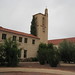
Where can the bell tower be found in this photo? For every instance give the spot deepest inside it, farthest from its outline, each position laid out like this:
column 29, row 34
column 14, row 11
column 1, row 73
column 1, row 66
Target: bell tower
column 42, row 26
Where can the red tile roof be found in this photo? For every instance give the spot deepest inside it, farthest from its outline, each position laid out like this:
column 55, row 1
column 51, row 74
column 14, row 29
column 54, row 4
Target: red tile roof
column 17, row 32
column 57, row 41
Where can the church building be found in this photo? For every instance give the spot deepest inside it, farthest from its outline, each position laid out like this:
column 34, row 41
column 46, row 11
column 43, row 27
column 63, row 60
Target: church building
column 28, row 42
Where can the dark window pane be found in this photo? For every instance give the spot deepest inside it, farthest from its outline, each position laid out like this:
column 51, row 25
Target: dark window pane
column 19, row 53
column 3, row 36
column 25, row 53
column 25, row 40
column 14, row 38
column 33, row 41
column 20, row 39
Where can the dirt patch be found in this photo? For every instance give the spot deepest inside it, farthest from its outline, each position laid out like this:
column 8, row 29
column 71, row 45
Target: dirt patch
column 67, row 67
column 25, row 73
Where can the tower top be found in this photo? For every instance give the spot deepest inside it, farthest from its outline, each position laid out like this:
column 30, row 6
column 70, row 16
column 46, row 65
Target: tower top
column 41, row 26
column 46, row 11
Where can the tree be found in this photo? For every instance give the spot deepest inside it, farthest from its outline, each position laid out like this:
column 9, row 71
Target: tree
column 48, row 53
column 11, row 50
column 67, row 51
column 53, row 57
column 33, row 27
column 42, row 53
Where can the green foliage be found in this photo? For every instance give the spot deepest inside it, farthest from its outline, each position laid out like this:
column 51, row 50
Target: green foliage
column 42, row 53
column 2, row 55
column 73, row 56
column 67, row 51
column 33, row 27
column 48, row 53
column 10, row 49
column 53, row 57
column 34, row 59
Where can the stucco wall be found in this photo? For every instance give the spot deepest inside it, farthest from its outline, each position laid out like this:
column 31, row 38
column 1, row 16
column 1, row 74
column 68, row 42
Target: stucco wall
column 42, row 27
column 31, row 48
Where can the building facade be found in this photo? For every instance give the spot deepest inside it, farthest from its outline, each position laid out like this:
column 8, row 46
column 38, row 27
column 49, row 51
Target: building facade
column 29, row 43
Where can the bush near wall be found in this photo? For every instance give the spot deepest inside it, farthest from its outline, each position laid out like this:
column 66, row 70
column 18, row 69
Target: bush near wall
column 42, row 53
column 9, row 53
column 48, row 54
column 53, row 56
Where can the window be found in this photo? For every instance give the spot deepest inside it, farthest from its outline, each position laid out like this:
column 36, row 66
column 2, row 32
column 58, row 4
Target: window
column 43, row 24
column 14, row 38
column 3, row 36
column 25, row 40
column 33, row 41
column 25, row 53
column 20, row 39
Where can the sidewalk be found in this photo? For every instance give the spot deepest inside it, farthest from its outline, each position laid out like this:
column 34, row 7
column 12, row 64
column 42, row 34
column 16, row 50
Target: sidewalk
column 49, row 71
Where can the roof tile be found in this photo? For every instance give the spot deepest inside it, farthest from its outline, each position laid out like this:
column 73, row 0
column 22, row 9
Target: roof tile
column 17, row 32
column 58, row 41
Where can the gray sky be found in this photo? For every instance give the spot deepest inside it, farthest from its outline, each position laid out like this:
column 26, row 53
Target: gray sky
column 17, row 15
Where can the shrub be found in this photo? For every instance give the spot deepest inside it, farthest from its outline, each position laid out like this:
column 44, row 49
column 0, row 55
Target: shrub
column 34, row 59
column 53, row 56
column 42, row 53
column 10, row 52
column 48, row 53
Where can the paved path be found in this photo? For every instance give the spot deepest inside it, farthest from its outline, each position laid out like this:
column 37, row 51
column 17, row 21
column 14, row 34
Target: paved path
column 51, row 71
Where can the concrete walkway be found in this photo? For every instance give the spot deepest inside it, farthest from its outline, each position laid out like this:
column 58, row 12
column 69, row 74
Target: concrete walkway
column 52, row 71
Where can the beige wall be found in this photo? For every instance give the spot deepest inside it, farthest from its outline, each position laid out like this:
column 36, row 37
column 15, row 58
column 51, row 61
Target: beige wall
column 31, row 48
column 42, row 26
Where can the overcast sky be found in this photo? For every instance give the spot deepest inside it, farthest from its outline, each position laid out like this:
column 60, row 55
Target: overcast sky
column 17, row 15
